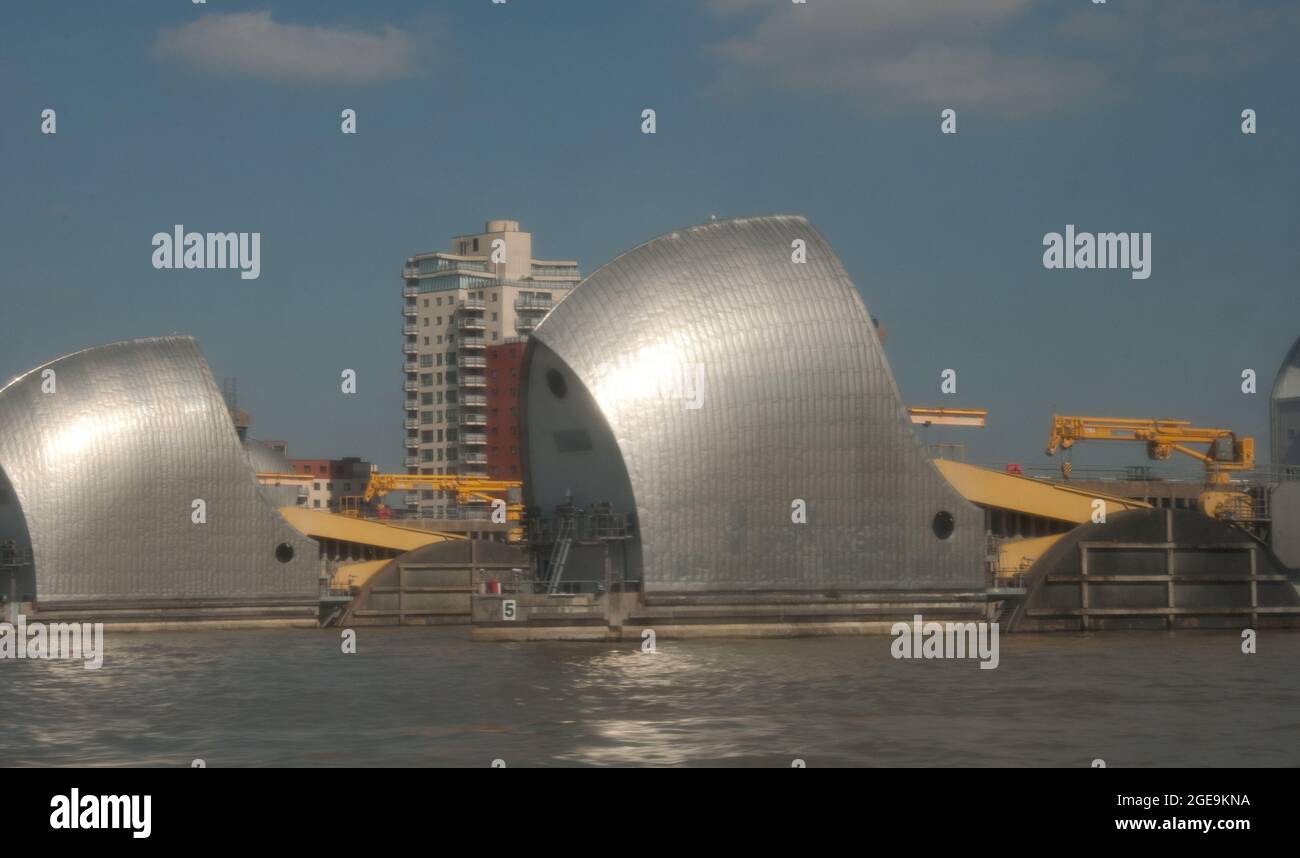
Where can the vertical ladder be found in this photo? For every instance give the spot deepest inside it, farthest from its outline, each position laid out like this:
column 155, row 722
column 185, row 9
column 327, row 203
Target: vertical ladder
column 559, row 554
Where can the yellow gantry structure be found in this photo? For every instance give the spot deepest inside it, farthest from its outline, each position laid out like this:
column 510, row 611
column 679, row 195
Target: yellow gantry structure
column 342, row 528
column 1000, row 490
column 947, row 416
column 1162, row 437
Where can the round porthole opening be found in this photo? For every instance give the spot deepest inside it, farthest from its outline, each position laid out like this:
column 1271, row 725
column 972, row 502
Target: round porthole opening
column 555, row 381
column 943, row 524
column 284, row 552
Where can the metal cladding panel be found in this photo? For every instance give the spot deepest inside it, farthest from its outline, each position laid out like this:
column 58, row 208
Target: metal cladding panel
column 795, row 402
column 1284, row 408
column 107, row 465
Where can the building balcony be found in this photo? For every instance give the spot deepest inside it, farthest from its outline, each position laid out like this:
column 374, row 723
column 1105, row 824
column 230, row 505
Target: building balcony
column 473, row 380
column 473, row 305
column 474, row 400
column 410, row 349
column 474, row 361
column 411, row 461
column 410, row 290
column 411, row 366
column 410, row 386
column 472, row 343
column 410, row 310
column 523, row 324
column 410, row 329
column 411, row 423
column 476, row 439
column 471, row 323
column 473, row 419
column 533, row 305
column 474, row 458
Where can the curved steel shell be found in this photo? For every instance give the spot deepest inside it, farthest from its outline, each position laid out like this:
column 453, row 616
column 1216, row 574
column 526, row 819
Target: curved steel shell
column 107, row 451
column 1284, row 408
column 718, row 388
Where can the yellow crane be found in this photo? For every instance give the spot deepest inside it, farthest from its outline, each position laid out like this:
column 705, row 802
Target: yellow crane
column 1162, row 437
column 467, row 489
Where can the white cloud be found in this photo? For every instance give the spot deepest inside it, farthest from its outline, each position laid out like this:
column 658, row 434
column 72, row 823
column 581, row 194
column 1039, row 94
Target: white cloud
column 1006, row 57
column 252, row 45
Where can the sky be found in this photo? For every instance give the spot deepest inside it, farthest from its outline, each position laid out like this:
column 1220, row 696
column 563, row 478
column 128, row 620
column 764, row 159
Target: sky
column 225, row 116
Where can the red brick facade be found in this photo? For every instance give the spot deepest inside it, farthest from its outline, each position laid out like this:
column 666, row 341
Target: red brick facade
column 503, row 438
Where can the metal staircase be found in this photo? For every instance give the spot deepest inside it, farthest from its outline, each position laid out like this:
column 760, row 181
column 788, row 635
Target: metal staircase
column 560, row 554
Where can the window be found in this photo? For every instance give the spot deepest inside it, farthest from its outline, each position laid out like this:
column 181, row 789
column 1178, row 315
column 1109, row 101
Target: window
column 427, row 378
column 476, row 245
column 439, row 436
column 439, row 320
column 322, row 469
column 439, row 339
column 426, row 360
column 427, row 398
column 427, row 437
column 494, row 317
column 316, row 485
column 426, row 302
column 316, row 503
column 440, row 397
column 426, row 341
column 439, row 359
column 426, row 417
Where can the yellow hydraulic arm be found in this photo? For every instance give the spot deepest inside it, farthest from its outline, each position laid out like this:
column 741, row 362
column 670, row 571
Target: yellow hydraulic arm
column 467, row 489
column 1162, row 437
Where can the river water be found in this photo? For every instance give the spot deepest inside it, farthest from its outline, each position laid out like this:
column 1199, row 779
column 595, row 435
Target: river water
column 430, row 697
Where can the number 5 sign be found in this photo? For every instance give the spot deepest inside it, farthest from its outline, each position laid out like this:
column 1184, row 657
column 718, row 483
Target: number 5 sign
column 508, row 611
